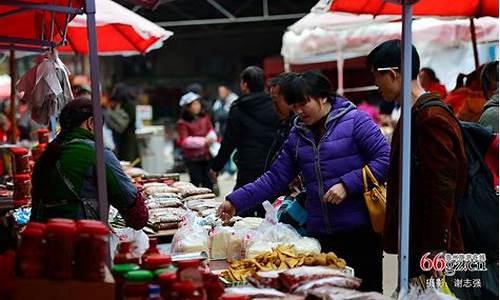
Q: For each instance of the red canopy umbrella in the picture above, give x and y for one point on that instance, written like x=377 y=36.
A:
x=465 y=8
x=120 y=31
x=31 y=26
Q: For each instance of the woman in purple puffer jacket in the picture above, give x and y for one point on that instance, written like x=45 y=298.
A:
x=330 y=143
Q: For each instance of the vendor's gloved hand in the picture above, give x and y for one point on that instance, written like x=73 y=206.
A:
x=226 y=211
x=336 y=194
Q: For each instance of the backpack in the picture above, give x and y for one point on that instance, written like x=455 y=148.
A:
x=477 y=210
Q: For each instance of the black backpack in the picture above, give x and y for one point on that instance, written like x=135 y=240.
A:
x=478 y=208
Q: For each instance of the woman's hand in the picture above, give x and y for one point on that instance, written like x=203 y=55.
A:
x=226 y=211
x=336 y=194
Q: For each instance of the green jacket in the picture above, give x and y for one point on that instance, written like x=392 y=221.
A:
x=52 y=196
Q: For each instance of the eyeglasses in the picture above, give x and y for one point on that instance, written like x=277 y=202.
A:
x=387 y=69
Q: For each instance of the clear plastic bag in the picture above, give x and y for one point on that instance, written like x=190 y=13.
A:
x=191 y=237
x=139 y=239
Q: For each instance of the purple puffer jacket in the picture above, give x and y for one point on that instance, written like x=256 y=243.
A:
x=351 y=141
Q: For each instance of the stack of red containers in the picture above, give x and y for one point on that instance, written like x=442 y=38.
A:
x=21 y=172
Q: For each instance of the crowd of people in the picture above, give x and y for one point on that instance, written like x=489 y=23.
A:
x=299 y=139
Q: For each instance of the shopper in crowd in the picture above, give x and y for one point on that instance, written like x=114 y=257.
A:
x=489 y=84
x=277 y=87
x=120 y=118
x=330 y=143
x=251 y=129
x=64 y=178
x=438 y=164
x=196 y=134
x=467 y=101
x=431 y=83
x=220 y=109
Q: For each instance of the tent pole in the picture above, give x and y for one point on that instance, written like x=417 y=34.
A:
x=12 y=65
x=340 y=73
x=405 y=154
x=96 y=104
x=474 y=42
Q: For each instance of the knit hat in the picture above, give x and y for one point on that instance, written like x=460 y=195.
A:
x=188 y=98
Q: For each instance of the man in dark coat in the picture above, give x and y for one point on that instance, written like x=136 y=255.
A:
x=438 y=167
x=251 y=129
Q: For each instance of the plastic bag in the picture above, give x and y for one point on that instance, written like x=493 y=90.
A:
x=416 y=292
x=139 y=239
x=269 y=234
x=191 y=236
x=219 y=242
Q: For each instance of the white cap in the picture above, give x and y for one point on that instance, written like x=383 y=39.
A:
x=188 y=98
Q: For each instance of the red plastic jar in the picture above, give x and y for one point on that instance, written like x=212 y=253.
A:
x=43 y=136
x=155 y=262
x=190 y=270
x=152 y=249
x=92 y=247
x=136 y=285
x=186 y=290
x=37 y=151
x=22 y=186
x=214 y=288
x=21 y=160
x=119 y=272
x=124 y=254
x=166 y=281
x=233 y=297
x=32 y=251
x=60 y=237
x=61 y=221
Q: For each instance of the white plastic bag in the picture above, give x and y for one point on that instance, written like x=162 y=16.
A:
x=139 y=239
x=191 y=236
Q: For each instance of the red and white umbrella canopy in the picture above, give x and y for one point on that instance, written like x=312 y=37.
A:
x=120 y=31
x=458 y=8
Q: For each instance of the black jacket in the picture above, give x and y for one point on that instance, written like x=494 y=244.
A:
x=281 y=136
x=251 y=130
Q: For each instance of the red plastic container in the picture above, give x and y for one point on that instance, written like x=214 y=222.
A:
x=21 y=160
x=137 y=285
x=152 y=249
x=22 y=187
x=190 y=270
x=155 y=262
x=233 y=297
x=92 y=246
x=124 y=254
x=186 y=290
x=166 y=281
x=43 y=136
x=60 y=237
x=214 y=288
x=32 y=251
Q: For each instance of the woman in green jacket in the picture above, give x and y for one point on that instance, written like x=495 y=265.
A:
x=64 y=179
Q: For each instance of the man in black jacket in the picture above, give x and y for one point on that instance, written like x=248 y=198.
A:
x=251 y=129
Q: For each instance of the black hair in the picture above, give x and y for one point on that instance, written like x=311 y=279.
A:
x=122 y=93
x=195 y=88
x=75 y=113
x=254 y=78
x=431 y=74
x=489 y=78
x=72 y=116
x=388 y=55
x=311 y=84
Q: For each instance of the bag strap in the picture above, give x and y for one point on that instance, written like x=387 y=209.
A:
x=368 y=173
x=66 y=180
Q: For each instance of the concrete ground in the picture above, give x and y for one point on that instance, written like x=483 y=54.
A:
x=390 y=263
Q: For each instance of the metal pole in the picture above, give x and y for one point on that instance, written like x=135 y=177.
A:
x=98 y=119
x=405 y=154
x=13 y=127
x=474 y=42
